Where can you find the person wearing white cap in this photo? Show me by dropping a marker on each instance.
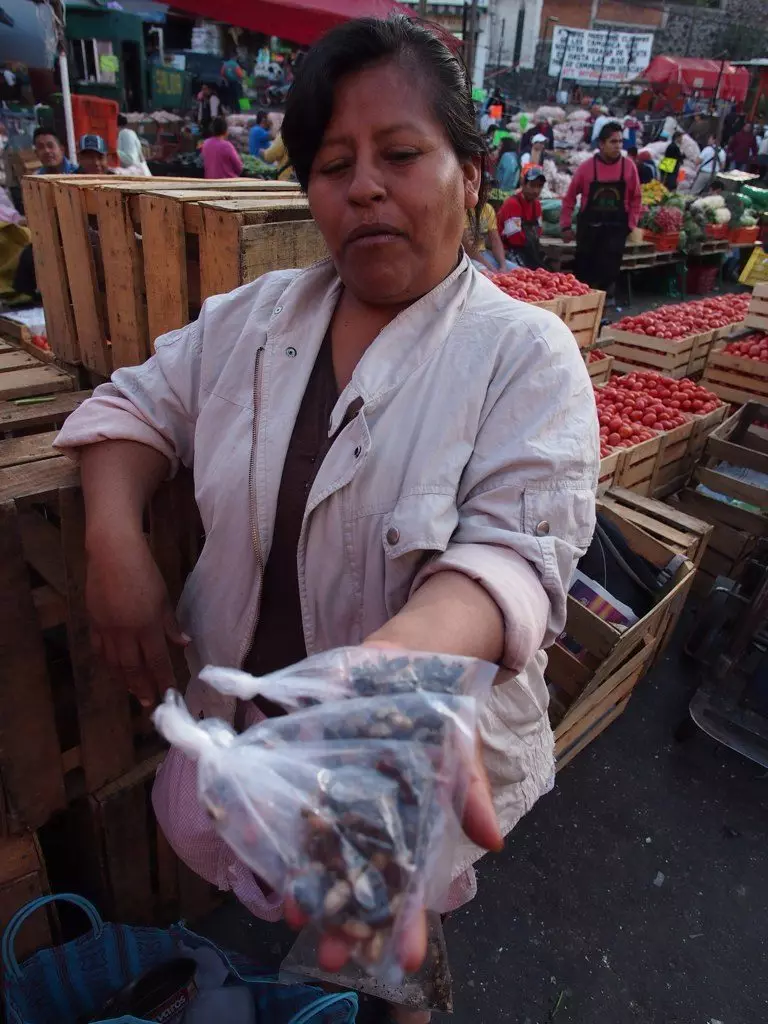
(536, 156)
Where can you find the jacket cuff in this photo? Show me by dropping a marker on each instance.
(107, 416)
(512, 583)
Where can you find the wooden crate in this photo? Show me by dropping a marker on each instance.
(757, 317)
(675, 358)
(742, 442)
(637, 466)
(736, 379)
(607, 473)
(135, 259)
(108, 847)
(24, 374)
(582, 314)
(23, 877)
(590, 690)
(600, 370)
(67, 727)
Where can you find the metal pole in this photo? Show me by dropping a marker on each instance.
(602, 59)
(472, 40)
(66, 98)
(562, 62)
(501, 43)
(423, 9)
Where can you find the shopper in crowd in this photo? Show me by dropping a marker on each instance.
(444, 509)
(733, 123)
(259, 137)
(742, 148)
(670, 163)
(483, 242)
(609, 187)
(130, 152)
(712, 160)
(208, 107)
(643, 161)
(633, 130)
(92, 155)
(536, 156)
(700, 130)
(50, 153)
(542, 127)
(600, 122)
(220, 158)
(277, 154)
(762, 155)
(232, 76)
(508, 165)
(519, 221)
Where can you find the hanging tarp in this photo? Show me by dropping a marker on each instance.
(698, 75)
(300, 21)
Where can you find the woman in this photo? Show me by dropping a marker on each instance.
(220, 158)
(129, 149)
(482, 241)
(536, 156)
(712, 161)
(508, 166)
(386, 449)
(610, 208)
(671, 162)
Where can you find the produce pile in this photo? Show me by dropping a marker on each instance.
(752, 346)
(653, 193)
(538, 285)
(714, 208)
(688, 318)
(633, 408)
(596, 356)
(665, 219)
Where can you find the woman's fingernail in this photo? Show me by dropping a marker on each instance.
(186, 639)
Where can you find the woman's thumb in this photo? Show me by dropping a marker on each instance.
(173, 630)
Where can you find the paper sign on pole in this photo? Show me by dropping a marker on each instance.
(590, 57)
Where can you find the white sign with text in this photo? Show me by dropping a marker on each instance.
(607, 56)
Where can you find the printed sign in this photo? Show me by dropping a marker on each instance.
(108, 63)
(599, 56)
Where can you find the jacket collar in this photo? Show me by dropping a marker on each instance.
(403, 345)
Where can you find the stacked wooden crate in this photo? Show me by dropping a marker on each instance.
(121, 262)
(77, 754)
(675, 358)
(591, 689)
(735, 506)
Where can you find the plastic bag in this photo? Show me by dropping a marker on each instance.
(352, 807)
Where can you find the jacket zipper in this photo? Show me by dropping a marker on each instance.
(255, 540)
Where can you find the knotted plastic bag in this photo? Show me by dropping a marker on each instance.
(351, 805)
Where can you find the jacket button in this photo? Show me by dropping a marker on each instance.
(393, 535)
(290, 352)
(542, 530)
(278, 309)
(358, 452)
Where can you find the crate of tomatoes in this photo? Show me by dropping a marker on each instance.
(577, 305)
(661, 424)
(674, 339)
(738, 371)
(599, 366)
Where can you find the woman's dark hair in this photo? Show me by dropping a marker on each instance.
(359, 44)
(218, 126)
(608, 130)
(508, 145)
(122, 120)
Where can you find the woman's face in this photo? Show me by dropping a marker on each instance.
(387, 190)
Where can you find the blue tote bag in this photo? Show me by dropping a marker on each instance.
(69, 983)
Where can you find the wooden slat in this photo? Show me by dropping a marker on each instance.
(36, 932)
(51, 608)
(37, 479)
(29, 748)
(123, 279)
(82, 277)
(18, 450)
(106, 739)
(219, 252)
(722, 484)
(52, 412)
(41, 541)
(32, 381)
(280, 247)
(50, 268)
(16, 360)
(165, 264)
(123, 818)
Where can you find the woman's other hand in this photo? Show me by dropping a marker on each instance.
(132, 619)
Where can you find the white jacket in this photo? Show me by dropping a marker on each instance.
(475, 449)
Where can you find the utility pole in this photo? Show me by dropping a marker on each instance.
(423, 9)
(562, 62)
(501, 43)
(471, 51)
(602, 59)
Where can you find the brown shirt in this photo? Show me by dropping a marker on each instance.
(278, 640)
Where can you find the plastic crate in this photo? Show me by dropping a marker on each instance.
(662, 241)
(743, 236)
(719, 231)
(701, 279)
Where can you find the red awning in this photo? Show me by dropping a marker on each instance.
(299, 21)
(699, 75)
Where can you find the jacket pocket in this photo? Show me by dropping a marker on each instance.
(419, 527)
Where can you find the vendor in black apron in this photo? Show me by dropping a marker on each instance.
(610, 197)
(519, 221)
